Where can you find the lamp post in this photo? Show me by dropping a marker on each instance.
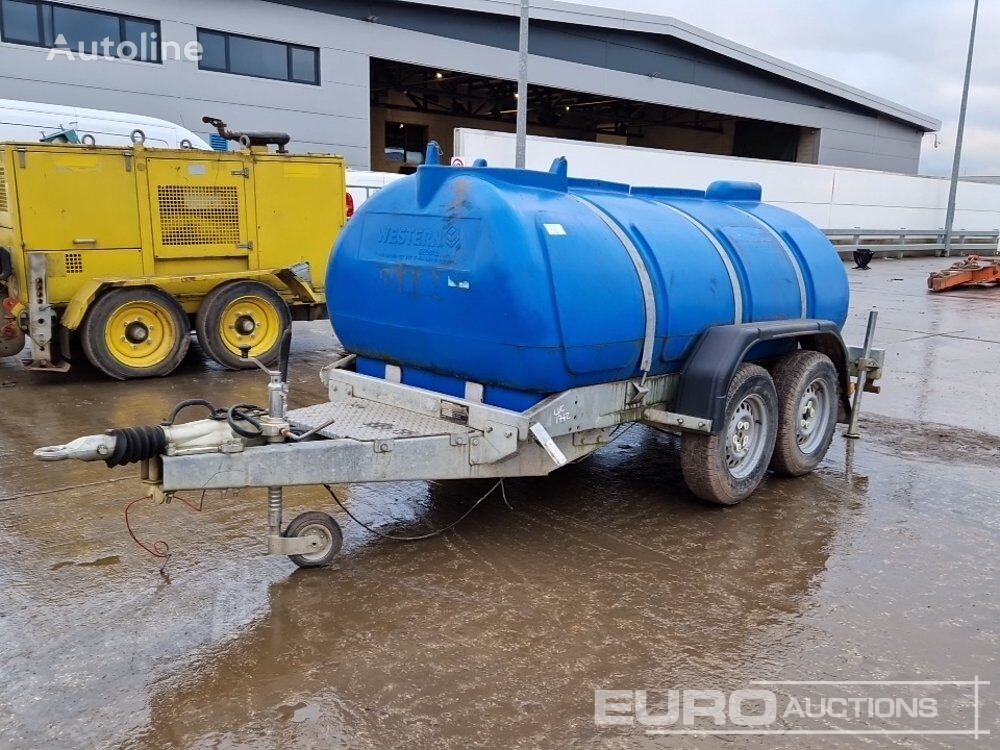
(522, 87)
(949, 217)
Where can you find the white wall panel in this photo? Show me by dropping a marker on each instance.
(831, 197)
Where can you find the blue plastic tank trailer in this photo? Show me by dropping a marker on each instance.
(504, 322)
(532, 283)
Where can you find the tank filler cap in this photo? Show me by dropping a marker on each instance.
(433, 155)
(727, 190)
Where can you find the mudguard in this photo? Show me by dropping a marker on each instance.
(719, 351)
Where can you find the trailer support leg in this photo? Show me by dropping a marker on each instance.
(41, 318)
(852, 427)
(277, 543)
(274, 506)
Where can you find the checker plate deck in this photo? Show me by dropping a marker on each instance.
(363, 419)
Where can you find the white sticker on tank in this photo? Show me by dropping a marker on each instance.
(196, 170)
(556, 230)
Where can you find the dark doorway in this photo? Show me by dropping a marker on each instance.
(766, 140)
(413, 103)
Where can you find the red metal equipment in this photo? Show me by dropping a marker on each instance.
(974, 270)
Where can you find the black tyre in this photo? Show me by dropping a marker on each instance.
(324, 530)
(727, 467)
(135, 333)
(242, 314)
(808, 391)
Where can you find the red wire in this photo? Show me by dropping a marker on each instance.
(197, 508)
(159, 548)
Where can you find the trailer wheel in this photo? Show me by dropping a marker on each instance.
(135, 333)
(324, 529)
(727, 467)
(242, 314)
(807, 388)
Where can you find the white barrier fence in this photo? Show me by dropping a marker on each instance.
(899, 244)
(833, 198)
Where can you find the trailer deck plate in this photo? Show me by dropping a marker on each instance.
(363, 419)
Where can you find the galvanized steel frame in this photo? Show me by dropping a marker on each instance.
(499, 442)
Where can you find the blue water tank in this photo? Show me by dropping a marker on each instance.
(530, 283)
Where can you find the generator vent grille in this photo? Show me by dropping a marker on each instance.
(199, 215)
(3, 190)
(74, 263)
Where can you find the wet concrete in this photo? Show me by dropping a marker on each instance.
(943, 349)
(605, 575)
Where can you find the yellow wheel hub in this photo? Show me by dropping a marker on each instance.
(141, 334)
(250, 321)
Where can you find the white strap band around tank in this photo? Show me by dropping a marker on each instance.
(734, 279)
(803, 308)
(648, 298)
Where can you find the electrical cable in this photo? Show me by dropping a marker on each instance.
(621, 430)
(159, 548)
(429, 535)
(246, 413)
(242, 412)
(218, 414)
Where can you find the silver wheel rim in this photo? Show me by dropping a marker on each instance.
(813, 416)
(323, 536)
(746, 436)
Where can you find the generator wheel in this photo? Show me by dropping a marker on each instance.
(240, 314)
(324, 530)
(808, 390)
(135, 333)
(727, 467)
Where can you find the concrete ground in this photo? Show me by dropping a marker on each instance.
(606, 575)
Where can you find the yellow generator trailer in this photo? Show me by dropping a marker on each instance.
(127, 250)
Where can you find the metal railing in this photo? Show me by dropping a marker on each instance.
(900, 243)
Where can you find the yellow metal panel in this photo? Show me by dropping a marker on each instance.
(86, 293)
(6, 193)
(300, 288)
(68, 272)
(197, 206)
(10, 233)
(143, 205)
(75, 197)
(179, 220)
(300, 202)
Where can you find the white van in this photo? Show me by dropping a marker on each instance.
(33, 121)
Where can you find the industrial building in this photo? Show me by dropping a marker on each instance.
(375, 80)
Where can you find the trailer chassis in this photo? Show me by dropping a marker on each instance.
(382, 430)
